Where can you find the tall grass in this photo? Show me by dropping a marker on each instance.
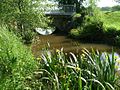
(16, 62)
(77, 72)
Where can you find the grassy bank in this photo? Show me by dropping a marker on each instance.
(112, 19)
(16, 62)
(104, 29)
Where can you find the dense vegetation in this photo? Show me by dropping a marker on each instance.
(102, 27)
(114, 8)
(54, 71)
(20, 70)
(23, 16)
(111, 19)
(88, 71)
(16, 62)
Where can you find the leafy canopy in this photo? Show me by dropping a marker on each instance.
(22, 13)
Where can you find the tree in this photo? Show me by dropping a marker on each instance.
(118, 1)
(22, 14)
(116, 8)
(78, 3)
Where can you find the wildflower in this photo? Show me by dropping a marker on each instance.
(27, 88)
(116, 67)
(57, 50)
(38, 58)
(65, 53)
(63, 76)
(77, 69)
(83, 55)
(55, 66)
(117, 64)
(116, 57)
(118, 61)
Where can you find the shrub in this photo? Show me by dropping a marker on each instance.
(90, 27)
(117, 40)
(77, 20)
(111, 32)
(16, 62)
(92, 31)
(74, 33)
(28, 36)
(112, 36)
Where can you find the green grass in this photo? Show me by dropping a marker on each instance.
(16, 62)
(112, 19)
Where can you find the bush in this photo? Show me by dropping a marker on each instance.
(28, 36)
(90, 27)
(111, 32)
(77, 20)
(112, 36)
(92, 31)
(74, 33)
(16, 62)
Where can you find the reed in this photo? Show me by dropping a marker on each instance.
(77, 72)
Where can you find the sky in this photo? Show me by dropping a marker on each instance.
(106, 3)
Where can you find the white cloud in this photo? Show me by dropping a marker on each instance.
(104, 3)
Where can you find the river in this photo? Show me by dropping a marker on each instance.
(54, 42)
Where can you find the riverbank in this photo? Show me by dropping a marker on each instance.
(102, 29)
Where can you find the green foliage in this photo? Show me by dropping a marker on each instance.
(93, 31)
(77, 19)
(112, 9)
(112, 28)
(23, 15)
(98, 26)
(90, 29)
(28, 36)
(111, 32)
(118, 1)
(106, 9)
(111, 19)
(16, 62)
(88, 71)
(116, 8)
(78, 3)
(89, 24)
(74, 33)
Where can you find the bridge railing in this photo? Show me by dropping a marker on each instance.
(61, 9)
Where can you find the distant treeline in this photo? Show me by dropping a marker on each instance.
(114, 8)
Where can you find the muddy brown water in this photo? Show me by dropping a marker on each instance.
(69, 45)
